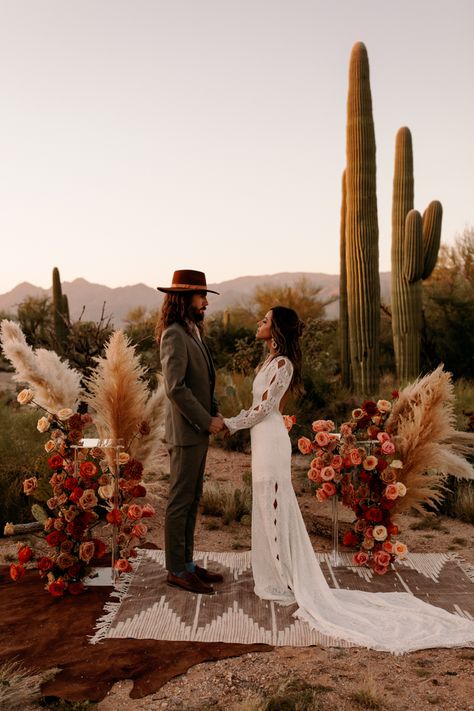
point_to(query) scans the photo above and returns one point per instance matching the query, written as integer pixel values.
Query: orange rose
(391, 492)
(322, 439)
(88, 499)
(29, 485)
(88, 469)
(122, 565)
(134, 512)
(16, 571)
(86, 551)
(304, 445)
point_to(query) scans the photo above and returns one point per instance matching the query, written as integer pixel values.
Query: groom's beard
(197, 315)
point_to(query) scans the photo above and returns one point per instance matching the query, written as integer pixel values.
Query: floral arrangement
(360, 467)
(86, 486)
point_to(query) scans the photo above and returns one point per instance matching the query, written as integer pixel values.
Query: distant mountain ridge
(119, 301)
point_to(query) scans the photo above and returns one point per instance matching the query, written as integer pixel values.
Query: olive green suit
(189, 379)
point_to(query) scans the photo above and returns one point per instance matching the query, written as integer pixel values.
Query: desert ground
(341, 678)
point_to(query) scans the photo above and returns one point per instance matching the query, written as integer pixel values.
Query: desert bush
(20, 687)
(21, 455)
(224, 501)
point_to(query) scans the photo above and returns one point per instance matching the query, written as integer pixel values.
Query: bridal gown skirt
(286, 570)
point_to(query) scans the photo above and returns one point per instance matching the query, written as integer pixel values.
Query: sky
(142, 136)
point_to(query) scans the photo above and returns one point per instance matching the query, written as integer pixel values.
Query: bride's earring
(274, 344)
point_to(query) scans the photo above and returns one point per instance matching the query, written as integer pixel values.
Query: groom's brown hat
(187, 280)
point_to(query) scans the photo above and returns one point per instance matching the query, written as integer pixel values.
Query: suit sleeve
(174, 361)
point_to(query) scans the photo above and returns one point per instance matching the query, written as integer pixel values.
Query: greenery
(21, 456)
(226, 502)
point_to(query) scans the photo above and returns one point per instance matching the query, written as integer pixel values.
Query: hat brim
(181, 290)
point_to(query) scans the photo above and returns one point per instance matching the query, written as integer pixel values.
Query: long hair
(176, 309)
(286, 330)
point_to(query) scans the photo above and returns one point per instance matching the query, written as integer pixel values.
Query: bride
(284, 566)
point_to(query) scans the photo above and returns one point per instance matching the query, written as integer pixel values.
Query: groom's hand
(217, 424)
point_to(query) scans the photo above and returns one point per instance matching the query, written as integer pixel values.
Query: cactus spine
(361, 234)
(343, 314)
(415, 245)
(60, 312)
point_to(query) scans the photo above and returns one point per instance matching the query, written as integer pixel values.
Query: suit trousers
(187, 464)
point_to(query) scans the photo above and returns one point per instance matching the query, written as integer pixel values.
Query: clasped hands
(217, 425)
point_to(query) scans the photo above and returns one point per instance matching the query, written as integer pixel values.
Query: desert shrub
(20, 687)
(21, 455)
(225, 501)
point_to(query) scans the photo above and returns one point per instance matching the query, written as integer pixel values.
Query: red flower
(350, 539)
(76, 494)
(57, 588)
(56, 461)
(387, 504)
(76, 529)
(55, 538)
(382, 464)
(75, 422)
(25, 554)
(114, 517)
(395, 394)
(100, 548)
(16, 571)
(133, 469)
(138, 491)
(373, 514)
(76, 588)
(74, 570)
(392, 530)
(71, 483)
(365, 476)
(88, 469)
(45, 564)
(370, 407)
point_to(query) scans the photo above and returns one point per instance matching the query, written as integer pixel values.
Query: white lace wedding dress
(284, 566)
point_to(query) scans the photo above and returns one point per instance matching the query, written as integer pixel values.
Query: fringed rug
(147, 608)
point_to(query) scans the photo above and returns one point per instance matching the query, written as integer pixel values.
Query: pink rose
(322, 439)
(388, 447)
(370, 462)
(380, 569)
(360, 558)
(329, 488)
(314, 475)
(382, 557)
(355, 457)
(139, 530)
(384, 405)
(304, 445)
(148, 511)
(391, 492)
(321, 495)
(327, 473)
(322, 426)
(88, 499)
(29, 485)
(383, 437)
(134, 512)
(345, 430)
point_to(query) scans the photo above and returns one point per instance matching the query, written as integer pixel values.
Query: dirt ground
(423, 680)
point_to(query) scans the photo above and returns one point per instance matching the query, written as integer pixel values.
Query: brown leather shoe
(189, 582)
(207, 576)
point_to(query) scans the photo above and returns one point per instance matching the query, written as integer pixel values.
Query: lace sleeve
(279, 381)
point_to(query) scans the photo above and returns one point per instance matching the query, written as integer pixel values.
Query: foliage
(223, 500)
(21, 454)
(449, 309)
(140, 326)
(35, 317)
(20, 687)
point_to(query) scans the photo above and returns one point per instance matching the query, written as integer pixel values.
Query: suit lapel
(204, 351)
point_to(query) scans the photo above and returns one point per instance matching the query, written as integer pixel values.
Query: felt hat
(187, 280)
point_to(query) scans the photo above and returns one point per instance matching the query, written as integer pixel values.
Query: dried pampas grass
(54, 382)
(119, 395)
(422, 424)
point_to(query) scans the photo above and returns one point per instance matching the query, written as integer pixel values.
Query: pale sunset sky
(142, 136)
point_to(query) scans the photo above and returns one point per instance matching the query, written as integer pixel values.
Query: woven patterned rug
(146, 608)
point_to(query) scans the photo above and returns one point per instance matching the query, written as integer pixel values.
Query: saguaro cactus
(343, 315)
(60, 312)
(415, 245)
(361, 233)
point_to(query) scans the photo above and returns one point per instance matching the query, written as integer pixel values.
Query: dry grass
(370, 695)
(224, 501)
(292, 695)
(20, 687)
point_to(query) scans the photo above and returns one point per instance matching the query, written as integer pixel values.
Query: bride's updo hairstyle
(286, 330)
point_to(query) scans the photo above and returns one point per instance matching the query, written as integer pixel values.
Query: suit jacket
(189, 379)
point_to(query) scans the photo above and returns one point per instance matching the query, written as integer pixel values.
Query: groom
(192, 414)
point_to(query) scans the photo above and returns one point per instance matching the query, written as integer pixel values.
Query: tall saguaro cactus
(361, 233)
(343, 314)
(415, 245)
(60, 311)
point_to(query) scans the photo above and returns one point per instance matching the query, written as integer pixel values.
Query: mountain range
(89, 299)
